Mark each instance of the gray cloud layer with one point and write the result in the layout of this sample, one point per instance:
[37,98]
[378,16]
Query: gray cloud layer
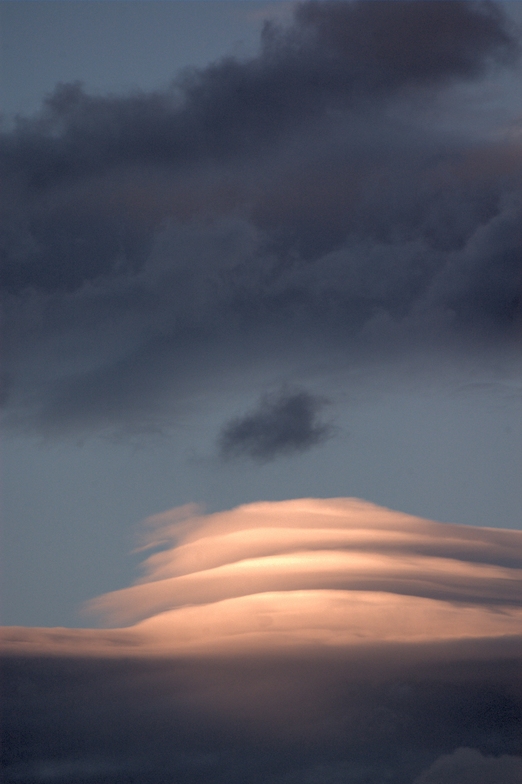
[284,206]
[283,721]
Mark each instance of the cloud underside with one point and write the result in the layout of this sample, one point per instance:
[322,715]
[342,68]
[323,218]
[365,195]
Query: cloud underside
[257,656]
[287,210]
[277,721]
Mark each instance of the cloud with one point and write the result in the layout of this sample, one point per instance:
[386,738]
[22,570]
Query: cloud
[282,683]
[305,567]
[338,573]
[262,720]
[288,209]
[469,766]
[282,424]
[335,54]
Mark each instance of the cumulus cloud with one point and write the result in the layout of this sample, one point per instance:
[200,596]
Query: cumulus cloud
[298,641]
[290,207]
[282,424]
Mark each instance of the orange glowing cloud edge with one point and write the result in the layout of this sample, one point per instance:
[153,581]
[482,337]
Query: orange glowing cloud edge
[338,574]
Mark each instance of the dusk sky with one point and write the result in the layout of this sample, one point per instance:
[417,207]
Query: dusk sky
[261,260]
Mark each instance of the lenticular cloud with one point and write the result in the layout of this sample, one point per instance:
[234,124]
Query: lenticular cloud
[334,573]
[306,640]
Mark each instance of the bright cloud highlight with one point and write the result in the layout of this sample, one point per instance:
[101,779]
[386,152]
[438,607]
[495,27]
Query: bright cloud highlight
[287,642]
[338,572]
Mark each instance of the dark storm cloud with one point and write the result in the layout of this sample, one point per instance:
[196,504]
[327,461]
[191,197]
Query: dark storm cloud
[335,55]
[288,205]
[283,423]
[368,719]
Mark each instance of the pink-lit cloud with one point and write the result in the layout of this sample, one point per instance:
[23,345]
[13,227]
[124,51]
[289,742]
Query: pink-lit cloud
[338,573]
[297,642]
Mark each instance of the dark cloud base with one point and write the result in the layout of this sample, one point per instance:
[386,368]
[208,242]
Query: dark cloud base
[290,207]
[378,718]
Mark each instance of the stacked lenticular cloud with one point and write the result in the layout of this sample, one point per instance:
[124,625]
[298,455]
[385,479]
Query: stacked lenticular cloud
[276,643]
[293,574]
[333,572]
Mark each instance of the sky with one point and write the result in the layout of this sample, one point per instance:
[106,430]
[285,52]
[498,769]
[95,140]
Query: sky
[239,266]
[261,260]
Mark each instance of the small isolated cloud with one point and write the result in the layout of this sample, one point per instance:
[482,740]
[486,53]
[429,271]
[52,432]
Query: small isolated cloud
[469,766]
[282,423]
